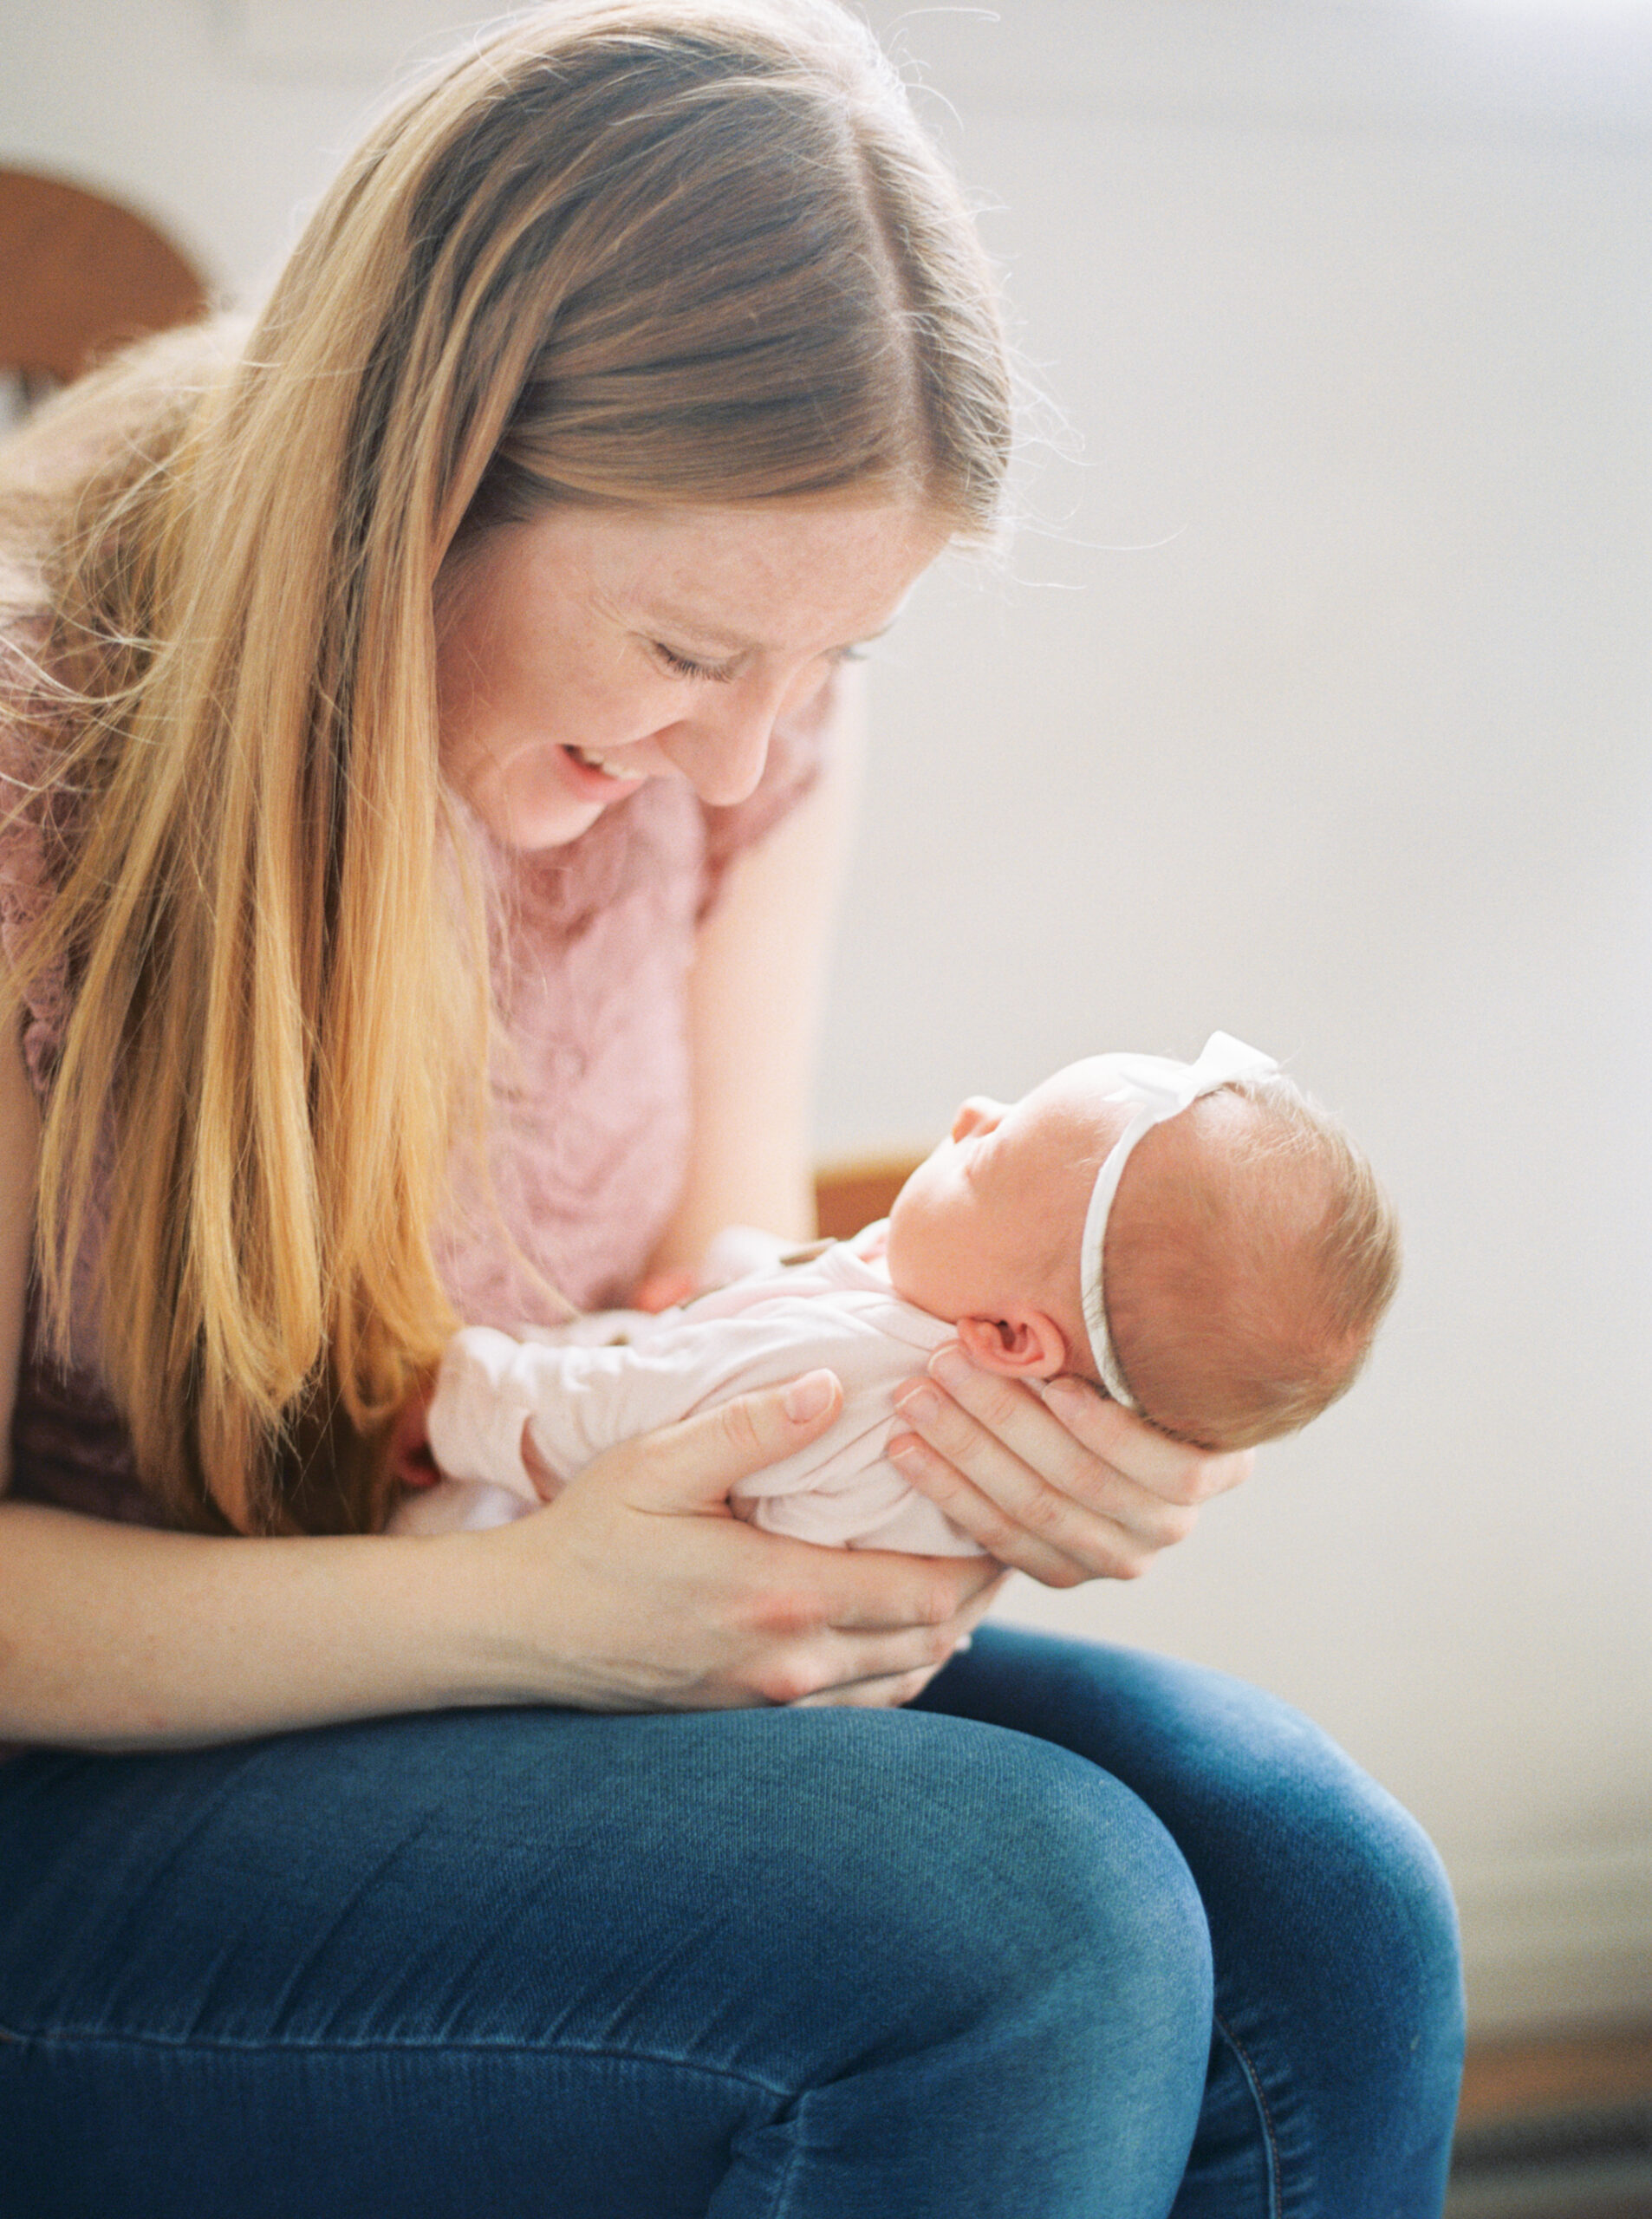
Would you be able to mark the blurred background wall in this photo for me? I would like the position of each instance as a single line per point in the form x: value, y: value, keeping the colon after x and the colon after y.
x: 1311, y: 701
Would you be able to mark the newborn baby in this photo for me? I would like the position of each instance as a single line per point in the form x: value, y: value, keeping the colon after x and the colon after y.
x: 1198, y: 1240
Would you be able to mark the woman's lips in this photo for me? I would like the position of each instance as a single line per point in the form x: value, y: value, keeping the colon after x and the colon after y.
x: 592, y: 782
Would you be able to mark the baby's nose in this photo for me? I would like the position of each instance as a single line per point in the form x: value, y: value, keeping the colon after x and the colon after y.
x: 979, y: 1115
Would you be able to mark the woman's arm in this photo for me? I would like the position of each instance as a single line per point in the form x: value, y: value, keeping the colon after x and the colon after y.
x: 114, y: 1636
x: 635, y: 1590
x: 755, y: 1007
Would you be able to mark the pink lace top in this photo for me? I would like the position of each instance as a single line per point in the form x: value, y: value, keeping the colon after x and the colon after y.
x: 590, y: 1130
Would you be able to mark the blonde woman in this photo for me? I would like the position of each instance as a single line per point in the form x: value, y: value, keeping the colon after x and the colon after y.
x: 419, y: 818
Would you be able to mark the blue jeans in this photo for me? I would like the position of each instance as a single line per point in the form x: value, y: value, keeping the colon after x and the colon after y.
x: 1083, y: 1932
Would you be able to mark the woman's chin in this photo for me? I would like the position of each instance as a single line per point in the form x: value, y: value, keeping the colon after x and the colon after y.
x: 526, y: 815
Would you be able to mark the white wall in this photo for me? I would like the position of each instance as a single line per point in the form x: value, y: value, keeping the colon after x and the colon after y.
x: 1316, y: 707
x: 1322, y: 715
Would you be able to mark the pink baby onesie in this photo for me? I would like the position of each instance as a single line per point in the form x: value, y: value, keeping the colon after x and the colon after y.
x: 580, y: 1389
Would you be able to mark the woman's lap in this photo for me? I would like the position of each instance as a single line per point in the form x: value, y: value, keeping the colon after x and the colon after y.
x: 746, y: 1963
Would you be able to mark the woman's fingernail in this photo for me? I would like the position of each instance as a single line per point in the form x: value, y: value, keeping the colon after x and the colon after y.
x: 906, y: 1454
x: 807, y: 1398
x: 950, y: 1365
x: 917, y: 1404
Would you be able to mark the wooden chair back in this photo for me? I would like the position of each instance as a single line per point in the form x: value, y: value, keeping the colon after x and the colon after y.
x: 79, y: 274
x: 849, y: 1195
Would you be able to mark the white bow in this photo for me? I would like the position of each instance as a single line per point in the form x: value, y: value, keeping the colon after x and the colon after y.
x: 1164, y: 1089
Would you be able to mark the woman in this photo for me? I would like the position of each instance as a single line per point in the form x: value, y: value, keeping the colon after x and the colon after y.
x: 420, y: 834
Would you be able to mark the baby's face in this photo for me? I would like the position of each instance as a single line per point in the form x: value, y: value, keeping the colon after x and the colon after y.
x: 994, y: 1216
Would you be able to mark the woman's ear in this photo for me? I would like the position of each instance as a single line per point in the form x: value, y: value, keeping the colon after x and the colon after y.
x: 1024, y: 1343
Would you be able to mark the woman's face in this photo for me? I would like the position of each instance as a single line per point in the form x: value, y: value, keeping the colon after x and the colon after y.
x: 594, y: 648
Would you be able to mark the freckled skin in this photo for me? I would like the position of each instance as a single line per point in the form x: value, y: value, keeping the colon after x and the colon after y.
x: 669, y: 642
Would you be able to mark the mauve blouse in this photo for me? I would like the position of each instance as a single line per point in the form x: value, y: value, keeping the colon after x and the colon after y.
x: 589, y: 1129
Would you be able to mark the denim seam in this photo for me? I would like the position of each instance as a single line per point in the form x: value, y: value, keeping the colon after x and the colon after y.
x: 782, y: 2200
x: 1254, y: 2081
x: 76, y: 2037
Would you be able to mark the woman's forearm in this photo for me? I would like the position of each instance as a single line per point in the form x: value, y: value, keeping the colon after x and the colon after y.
x: 634, y: 1590
x: 118, y: 1638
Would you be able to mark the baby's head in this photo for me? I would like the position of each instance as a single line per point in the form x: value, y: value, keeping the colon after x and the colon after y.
x: 1229, y: 1289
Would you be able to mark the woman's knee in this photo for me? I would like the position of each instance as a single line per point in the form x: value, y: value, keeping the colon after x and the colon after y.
x: 988, y: 1875
x: 1301, y: 1843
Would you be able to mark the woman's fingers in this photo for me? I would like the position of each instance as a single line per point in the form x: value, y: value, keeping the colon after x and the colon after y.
x: 871, y: 1670
x: 692, y: 1465
x: 874, y: 1590
x: 682, y: 1603
x: 1072, y: 1488
x: 871, y: 1694
x: 1175, y: 1472
x: 995, y: 1515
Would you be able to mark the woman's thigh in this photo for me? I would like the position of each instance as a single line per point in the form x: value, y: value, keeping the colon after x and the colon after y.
x: 818, y: 1964
x: 1338, y: 2008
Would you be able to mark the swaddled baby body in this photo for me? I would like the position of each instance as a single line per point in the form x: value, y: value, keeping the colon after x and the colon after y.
x: 1200, y: 1241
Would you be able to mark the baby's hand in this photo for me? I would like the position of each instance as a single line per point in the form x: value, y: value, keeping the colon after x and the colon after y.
x: 733, y: 1252
x: 412, y: 1464
x: 665, y: 1290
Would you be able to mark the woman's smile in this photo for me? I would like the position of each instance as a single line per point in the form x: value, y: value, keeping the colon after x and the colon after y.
x: 592, y: 649
x: 599, y: 777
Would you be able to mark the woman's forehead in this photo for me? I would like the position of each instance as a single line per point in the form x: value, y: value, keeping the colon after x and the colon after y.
x: 768, y: 575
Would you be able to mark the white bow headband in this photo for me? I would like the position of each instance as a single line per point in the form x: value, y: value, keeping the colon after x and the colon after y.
x: 1164, y: 1090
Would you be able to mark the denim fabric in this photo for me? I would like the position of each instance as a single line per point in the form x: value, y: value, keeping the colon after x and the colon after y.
x: 949, y: 1963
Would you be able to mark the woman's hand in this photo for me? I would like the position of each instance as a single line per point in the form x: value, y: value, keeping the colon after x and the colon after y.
x: 638, y: 1589
x: 1069, y: 1488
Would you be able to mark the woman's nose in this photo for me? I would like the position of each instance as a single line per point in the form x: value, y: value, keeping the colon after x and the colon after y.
x: 722, y: 748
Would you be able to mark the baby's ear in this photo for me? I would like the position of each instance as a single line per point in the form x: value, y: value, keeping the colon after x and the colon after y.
x: 1024, y: 1343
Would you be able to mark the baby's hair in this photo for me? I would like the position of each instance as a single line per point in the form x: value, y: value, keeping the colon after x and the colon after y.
x: 1249, y: 1259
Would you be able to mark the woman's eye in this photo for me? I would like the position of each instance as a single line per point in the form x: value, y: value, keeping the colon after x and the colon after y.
x: 682, y: 665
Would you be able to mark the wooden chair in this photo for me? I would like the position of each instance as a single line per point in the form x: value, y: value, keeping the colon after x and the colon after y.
x: 79, y: 274
x: 849, y: 1195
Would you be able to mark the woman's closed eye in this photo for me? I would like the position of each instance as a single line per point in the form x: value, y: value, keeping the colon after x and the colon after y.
x: 719, y: 674
x: 682, y: 666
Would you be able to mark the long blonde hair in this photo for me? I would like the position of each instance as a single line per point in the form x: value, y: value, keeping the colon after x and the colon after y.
x: 624, y: 251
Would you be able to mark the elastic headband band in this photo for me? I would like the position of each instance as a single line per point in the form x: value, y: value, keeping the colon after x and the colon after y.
x: 1164, y: 1089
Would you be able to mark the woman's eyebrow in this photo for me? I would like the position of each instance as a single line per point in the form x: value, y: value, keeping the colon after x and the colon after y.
x: 659, y: 617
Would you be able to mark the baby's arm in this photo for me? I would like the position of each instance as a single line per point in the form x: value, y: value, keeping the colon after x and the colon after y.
x: 496, y: 1398
x: 488, y: 1387
x: 565, y: 1403
x: 577, y: 1399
